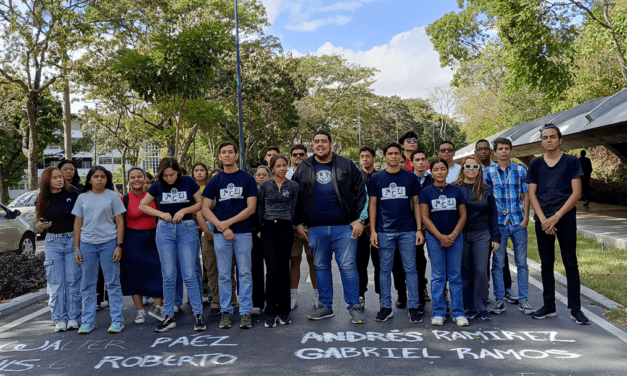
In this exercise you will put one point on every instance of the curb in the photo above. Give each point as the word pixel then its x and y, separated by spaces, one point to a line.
pixel 587 292
pixel 23 301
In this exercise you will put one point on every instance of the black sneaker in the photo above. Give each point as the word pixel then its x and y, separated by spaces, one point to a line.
pixel 472 314
pixel 414 315
pixel 543 313
pixel 199 326
pixel 284 319
pixel 384 314
pixel 421 309
pixel 270 322
pixel 214 312
pixel 401 304
pixel 166 324
pixel 577 316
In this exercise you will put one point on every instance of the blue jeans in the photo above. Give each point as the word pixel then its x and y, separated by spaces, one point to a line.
pixel 241 247
pixel 446 263
pixel 64 278
pixel 94 255
pixel 324 242
pixel 406 243
pixel 178 296
pixel 518 234
pixel 177 243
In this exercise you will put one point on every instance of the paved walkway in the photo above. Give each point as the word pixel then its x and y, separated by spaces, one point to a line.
pixel 605 223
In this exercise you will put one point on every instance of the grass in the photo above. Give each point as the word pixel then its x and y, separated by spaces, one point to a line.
pixel 604 270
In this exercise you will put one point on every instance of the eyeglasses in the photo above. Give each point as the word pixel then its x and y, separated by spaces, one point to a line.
pixel 298 154
pixel 483 149
pixel 411 140
pixel 446 150
pixel 472 166
pixel 261 175
pixel 68 169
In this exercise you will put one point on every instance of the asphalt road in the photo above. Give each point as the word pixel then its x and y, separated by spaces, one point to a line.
pixel 511 344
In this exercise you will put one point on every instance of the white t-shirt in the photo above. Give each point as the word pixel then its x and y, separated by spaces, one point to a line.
pixel 453 172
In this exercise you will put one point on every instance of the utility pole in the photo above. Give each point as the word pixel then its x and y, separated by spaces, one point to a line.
pixel 359 116
pixel 242 156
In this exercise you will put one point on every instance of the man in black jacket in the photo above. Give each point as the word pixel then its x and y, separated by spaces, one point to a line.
pixel 331 198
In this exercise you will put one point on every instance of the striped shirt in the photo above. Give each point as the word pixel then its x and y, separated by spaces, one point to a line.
pixel 507 186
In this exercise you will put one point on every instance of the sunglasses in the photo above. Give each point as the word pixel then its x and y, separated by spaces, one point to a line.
pixel 411 140
pixel 298 154
pixel 472 166
pixel 446 150
pixel 482 149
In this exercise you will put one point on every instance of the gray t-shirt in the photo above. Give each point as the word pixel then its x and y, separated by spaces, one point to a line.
pixel 98 212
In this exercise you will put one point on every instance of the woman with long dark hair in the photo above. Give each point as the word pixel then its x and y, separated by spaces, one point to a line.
pixel 443 209
pixel 177 236
pixel 70 174
pixel 480 237
pixel 53 209
pixel 200 173
pixel 98 241
pixel 276 205
pixel 140 266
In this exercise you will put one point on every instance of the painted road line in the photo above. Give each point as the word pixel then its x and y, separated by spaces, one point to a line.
pixel 17 322
pixel 600 321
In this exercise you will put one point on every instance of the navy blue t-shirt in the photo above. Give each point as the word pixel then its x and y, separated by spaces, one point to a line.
pixel 443 206
pixel 326 210
pixel 394 193
pixel 554 183
pixel 173 198
pixel 231 193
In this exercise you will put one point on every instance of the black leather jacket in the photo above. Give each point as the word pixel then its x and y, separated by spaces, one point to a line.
pixel 348 184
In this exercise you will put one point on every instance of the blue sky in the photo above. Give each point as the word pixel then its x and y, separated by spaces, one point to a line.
pixel 385 34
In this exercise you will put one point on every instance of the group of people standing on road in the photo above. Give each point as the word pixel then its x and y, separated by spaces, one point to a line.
pixel 147 243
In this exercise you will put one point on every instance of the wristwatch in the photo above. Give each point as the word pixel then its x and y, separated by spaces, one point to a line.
pixel 121 245
pixel 363 222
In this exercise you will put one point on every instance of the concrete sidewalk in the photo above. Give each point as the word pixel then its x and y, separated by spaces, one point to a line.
pixel 605 223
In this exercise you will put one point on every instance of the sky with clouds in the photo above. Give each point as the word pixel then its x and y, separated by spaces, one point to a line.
pixel 385 34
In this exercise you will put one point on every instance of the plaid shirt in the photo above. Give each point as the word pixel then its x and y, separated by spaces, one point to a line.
pixel 507 191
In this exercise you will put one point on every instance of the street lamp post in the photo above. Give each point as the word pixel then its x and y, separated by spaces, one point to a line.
pixel 359 116
pixel 396 117
pixel 242 156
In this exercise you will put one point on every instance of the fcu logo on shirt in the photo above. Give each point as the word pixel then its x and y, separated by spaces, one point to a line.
pixel 444 203
pixel 323 177
pixel 393 192
pixel 174 197
pixel 231 192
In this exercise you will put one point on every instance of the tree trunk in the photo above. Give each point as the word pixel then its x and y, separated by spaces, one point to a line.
pixel 67 122
pixel 31 143
pixel 124 182
pixel 4 197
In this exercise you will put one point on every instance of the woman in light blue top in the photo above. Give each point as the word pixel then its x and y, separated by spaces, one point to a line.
pixel 98 240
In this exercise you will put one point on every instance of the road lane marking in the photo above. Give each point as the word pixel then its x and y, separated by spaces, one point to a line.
pixel 17 322
pixel 600 321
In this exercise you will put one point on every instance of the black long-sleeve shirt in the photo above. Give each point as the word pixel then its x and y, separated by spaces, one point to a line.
pixel 274 203
pixel 481 215
pixel 60 212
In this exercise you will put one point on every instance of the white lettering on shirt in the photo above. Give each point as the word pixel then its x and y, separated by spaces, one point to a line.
pixel 231 192
pixel 393 192
pixel 444 203
pixel 174 197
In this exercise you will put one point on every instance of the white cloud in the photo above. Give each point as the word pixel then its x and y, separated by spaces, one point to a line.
pixel 408 65
pixel 273 8
pixel 315 24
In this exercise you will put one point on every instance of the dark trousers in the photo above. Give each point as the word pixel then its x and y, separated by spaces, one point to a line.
pixel 474 275
pixel 256 271
pixel 567 239
pixel 507 276
pixel 362 259
pixel 585 184
pixel 277 239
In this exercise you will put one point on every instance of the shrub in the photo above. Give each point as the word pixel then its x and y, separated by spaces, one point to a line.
pixel 609 176
pixel 20 274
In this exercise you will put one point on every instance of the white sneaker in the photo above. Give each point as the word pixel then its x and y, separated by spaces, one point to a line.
pixel 157 312
pixel 437 321
pixel 461 321
pixel 141 316
pixel 178 309
pixel 60 327
pixel 294 302
pixel 72 324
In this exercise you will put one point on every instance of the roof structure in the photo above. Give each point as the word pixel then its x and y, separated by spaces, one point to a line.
pixel 598 122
